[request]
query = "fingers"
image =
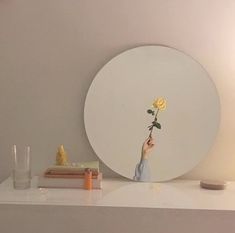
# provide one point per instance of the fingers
(151, 144)
(148, 145)
(150, 141)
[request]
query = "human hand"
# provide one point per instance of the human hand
(147, 147)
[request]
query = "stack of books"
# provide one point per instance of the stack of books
(70, 176)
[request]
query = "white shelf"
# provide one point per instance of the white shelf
(180, 206)
(178, 194)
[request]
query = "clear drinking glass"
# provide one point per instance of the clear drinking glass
(22, 168)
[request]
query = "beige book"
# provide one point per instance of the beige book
(45, 182)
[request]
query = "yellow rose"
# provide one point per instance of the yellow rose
(160, 103)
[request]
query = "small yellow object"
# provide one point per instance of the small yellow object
(61, 156)
(160, 103)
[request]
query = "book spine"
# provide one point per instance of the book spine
(44, 182)
(94, 176)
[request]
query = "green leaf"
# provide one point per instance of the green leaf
(150, 111)
(150, 127)
(157, 125)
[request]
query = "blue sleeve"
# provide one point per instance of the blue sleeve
(142, 171)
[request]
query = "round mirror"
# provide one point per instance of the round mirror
(130, 128)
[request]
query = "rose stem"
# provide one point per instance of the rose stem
(155, 118)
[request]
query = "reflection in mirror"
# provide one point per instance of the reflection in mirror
(152, 113)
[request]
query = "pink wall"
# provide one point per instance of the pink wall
(50, 51)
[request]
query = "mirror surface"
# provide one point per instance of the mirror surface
(116, 118)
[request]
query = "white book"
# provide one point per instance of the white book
(78, 168)
(45, 182)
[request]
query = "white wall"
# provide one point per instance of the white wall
(50, 51)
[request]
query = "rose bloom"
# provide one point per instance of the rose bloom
(160, 103)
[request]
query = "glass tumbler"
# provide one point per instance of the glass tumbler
(21, 168)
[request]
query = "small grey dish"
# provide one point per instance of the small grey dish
(213, 184)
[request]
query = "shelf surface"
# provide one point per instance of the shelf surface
(177, 194)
